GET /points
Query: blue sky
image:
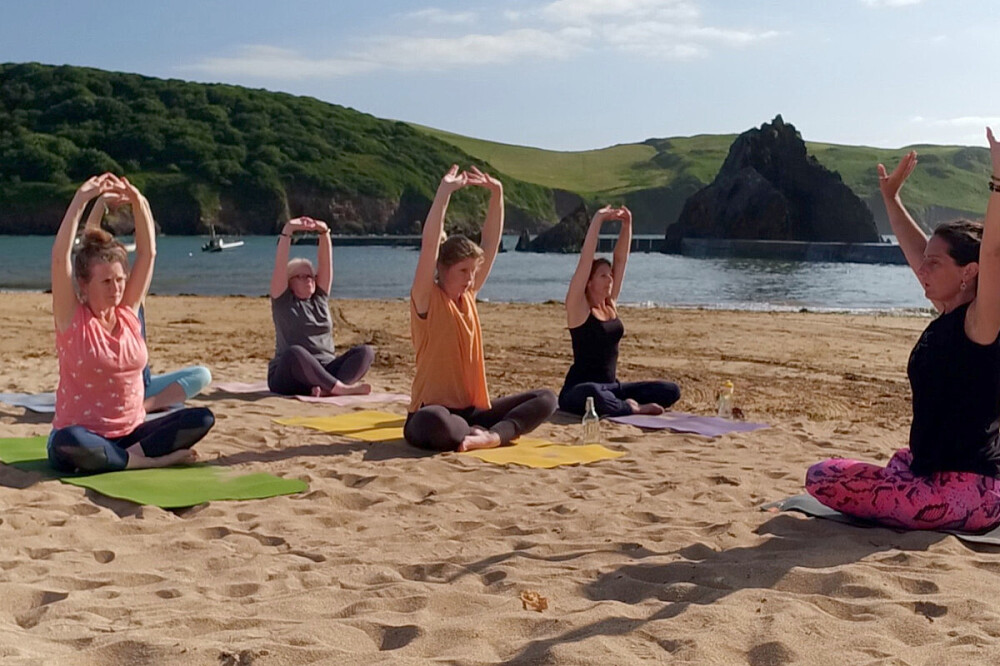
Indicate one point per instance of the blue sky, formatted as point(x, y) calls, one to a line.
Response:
point(566, 74)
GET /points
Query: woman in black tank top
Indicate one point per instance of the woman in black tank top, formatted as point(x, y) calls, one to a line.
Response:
point(595, 329)
point(948, 477)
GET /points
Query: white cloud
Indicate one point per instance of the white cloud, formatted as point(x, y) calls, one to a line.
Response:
point(268, 62)
point(550, 30)
point(440, 16)
point(961, 122)
point(583, 11)
point(408, 53)
point(891, 3)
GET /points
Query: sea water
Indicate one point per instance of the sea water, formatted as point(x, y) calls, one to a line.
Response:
point(381, 272)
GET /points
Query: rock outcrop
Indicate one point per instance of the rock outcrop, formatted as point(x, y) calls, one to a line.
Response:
point(770, 189)
point(566, 236)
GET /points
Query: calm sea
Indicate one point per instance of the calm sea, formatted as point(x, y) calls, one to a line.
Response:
point(385, 272)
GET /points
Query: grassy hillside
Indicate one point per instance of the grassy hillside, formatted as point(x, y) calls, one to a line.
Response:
point(948, 179)
point(223, 154)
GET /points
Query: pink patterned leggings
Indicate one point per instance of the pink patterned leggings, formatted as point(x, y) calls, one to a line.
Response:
point(893, 495)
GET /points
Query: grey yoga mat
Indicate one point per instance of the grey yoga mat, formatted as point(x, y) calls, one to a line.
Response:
point(810, 506)
point(708, 426)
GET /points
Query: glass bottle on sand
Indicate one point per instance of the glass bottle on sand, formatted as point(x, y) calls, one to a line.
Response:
point(726, 401)
point(591, 424)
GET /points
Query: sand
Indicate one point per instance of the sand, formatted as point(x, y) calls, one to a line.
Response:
point(393, 556)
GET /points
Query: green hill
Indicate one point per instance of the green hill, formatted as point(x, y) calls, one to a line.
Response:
point(242, 159)
point(652, 175)
point(245, 160)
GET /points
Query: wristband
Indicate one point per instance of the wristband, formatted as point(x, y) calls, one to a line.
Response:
point(285, 235)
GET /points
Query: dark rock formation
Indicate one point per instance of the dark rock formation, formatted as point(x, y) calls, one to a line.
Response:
point(523, 241)
point(770, 189)
point(566, 236)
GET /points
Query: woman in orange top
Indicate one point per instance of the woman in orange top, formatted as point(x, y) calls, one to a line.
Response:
point(450, 407)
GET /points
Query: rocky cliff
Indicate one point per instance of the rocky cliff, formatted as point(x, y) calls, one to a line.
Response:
point(769, 188)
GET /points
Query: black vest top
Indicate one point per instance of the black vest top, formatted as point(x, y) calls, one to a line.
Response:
point(956, 397)
point(595, 351)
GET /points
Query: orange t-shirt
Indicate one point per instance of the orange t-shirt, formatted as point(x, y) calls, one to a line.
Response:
point(100, 374)
point(449, 343)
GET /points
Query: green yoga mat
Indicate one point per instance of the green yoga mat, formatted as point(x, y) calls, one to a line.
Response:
point(166, 487)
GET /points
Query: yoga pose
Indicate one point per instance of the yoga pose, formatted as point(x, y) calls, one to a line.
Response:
point(595, 329)
point(947, 478)
point(172, 388)
point(98, 424)
point(450, 407)
point(304, 361)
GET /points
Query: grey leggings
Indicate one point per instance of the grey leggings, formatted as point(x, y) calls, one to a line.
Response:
point(295, 371)
point(438, 428)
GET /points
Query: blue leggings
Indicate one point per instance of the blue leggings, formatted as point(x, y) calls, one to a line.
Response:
point(193, 380)
point(76, 449)
point(609, 399)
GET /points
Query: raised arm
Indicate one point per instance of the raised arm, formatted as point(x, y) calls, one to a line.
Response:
point(64, 300)
point(577, 307)
point(982, 320)
point(324, 258)
point(492, 233)
point(623, 246)
point(911, 238)
point(145, 247)
point(430, 242)
point(279, 276)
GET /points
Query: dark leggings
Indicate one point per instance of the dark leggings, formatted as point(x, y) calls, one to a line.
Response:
point(297, 371)
point(438, 428)
point(609, 399)
point(76, 449)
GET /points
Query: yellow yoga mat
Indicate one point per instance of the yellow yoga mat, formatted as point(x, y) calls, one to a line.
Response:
point(543, 454)
point(366, 425)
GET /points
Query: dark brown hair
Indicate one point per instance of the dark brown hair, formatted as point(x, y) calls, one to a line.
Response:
point(97, 245)
point(963, 238)
point(457, 248)
point(600, 261)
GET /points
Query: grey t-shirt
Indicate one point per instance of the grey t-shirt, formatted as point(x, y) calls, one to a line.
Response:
point(306, 323)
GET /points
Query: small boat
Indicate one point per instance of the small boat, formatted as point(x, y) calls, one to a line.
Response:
point(218, 243)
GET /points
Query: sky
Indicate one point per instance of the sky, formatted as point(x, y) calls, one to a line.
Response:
point(565, 74)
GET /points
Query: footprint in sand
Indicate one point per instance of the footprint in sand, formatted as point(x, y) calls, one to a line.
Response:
point(104, 556)
point(773, 653)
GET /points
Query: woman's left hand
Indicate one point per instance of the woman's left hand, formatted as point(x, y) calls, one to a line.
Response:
point(477, 177)
point(994, 151)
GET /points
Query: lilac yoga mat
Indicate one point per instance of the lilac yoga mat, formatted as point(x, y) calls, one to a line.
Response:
point(709, 426)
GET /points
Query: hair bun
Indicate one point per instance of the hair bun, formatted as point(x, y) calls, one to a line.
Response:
point(97, 239)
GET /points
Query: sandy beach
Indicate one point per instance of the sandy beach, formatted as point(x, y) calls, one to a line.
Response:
point(394, 556)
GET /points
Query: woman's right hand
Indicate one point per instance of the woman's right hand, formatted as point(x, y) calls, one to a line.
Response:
point(300, 224)
point(453, 180)
point(96, 186)
point(891, 183)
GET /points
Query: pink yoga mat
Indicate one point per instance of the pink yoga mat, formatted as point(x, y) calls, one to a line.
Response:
point(338, 400)
point(242, 387)
point(347, 400)
point(709, 426)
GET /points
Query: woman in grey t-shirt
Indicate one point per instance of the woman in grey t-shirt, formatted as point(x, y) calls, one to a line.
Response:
point(304, 361)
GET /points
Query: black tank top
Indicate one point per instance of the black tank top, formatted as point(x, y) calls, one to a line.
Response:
point(956, 397)
point(595, 351)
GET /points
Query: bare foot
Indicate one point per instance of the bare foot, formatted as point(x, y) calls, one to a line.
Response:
point(650, 408)
point(316, 392)
point(358, 388)
point(138, 460)
point(479, 439)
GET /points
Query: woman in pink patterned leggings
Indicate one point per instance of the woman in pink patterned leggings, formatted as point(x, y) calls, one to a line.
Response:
point(949, 477)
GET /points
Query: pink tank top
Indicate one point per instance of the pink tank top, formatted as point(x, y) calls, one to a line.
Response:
point(100, 374)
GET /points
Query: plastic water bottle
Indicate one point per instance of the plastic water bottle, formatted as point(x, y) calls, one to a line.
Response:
point(726, 401)
point(591, 424)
